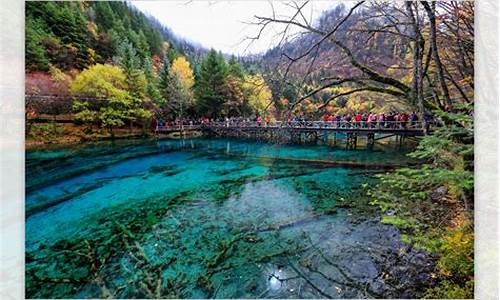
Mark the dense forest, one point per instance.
(112, 51)
(123, 68)
(368, 62)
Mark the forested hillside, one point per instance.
(80, 34)
(89, 51)
(363, 60)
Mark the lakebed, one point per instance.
(213, 218)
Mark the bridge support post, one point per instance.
(370, 139)
(352, 140)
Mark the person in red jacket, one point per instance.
(325, 118)
(333, 120)
(404, 119)
(358, 118)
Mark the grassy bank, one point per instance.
(68, 133)
(41, 134)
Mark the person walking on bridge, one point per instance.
(358, 119)
(333, 120)
(404, 119)
(325, 118)
(268, 120)
(413, 119)
(381, 120)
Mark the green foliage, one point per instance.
(46, 132)
(107, 82)
(152, 81)
(129, 61)
(66, 42)
(209, 89)
(397, 221)
(76, 34)
(64, 36)
(84, 114)
(450, 290)
(458, 253)
(456, 265)
(423, 200)
(126, 56)
(164, 78)
(113, 115)
(234, 68)
(36, 32)
(448, 165)
(175, 98)
(101, 81)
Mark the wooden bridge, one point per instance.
(57, 108)
(306, 131)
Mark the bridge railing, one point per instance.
(409, 125)
(177, 127)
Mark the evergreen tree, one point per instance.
(234, 68)
(104, 15)
(36, 58)
(164, 79)
(135, 78)
(210, 87)
(128, 59)
(152, 81)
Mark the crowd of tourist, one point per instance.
(349, 120)
(372, 120)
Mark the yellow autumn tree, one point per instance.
(257, 93)
(183, 71)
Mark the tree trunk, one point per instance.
(418, 54)
(434, 93)
(431, 14)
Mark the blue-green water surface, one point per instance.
(208, 219)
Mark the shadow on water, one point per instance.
(212, 219)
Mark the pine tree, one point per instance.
(135, 78)
(128, 59)
(210, 87)
(36, 58)
(234, 68)
(152, 81)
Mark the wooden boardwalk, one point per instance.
(361, 128)
(305, 131)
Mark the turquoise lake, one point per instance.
(212, 218)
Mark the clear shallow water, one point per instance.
(209, 218)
